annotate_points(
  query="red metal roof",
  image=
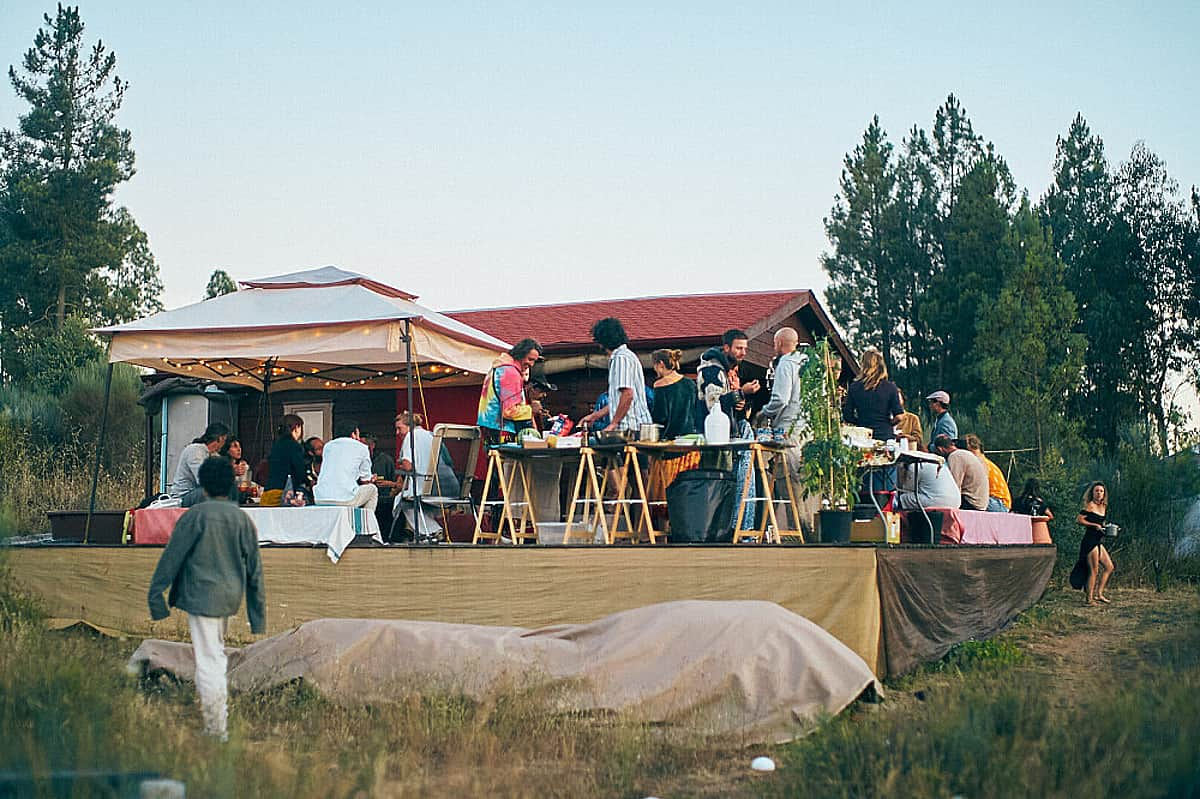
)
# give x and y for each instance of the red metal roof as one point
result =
(647, 320)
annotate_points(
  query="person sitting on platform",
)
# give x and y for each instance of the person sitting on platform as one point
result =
(909, 426)
(969, 472)
(383, 466)
(210, 561)
(286, 464)
(943, 422)
(186, 484)
(926, 485)
(345, 477)
(417, 442)
(314, 449)
(1031, 502)
(999, 497)
(503, 409)
(243, 477)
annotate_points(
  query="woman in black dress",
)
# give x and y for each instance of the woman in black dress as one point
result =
(1094, 561)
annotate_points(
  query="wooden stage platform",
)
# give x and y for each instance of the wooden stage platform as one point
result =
(896, 606)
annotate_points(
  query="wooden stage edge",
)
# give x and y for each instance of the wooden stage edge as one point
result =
(835, 586)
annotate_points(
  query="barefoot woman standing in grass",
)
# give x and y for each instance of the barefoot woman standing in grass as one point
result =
(1093, 557)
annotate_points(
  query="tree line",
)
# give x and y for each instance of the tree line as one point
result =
(1069, 321)
(70, 257)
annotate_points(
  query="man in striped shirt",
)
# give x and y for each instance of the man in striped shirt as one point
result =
(626, 380)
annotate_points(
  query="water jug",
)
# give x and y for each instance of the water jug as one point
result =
(716, 426)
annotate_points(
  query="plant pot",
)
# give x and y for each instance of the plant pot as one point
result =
(836, 526)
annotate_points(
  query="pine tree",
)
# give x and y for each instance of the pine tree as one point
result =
(1030, 359)
(65, 250)
(219, 283)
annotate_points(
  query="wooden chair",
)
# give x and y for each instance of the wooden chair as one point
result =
(436, 496)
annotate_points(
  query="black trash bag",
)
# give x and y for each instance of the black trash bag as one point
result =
(700, 503)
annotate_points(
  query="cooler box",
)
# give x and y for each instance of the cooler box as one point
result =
(882, 530)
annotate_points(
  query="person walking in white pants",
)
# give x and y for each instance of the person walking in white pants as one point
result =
(209, 563)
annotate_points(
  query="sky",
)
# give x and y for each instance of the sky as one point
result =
(498, 153)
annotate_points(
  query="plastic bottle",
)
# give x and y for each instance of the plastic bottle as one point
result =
(288, 492)
(716, 426)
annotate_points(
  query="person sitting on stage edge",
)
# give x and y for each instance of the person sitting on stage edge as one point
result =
(345, 477)
(626, 381)
(969, 472)
(210, 560)
(943, 422)
(186, 485)
(503, 409)
(999, 497)
(926, 485)
(285, 463)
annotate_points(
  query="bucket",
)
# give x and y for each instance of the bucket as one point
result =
(921, 531)
(836, 526)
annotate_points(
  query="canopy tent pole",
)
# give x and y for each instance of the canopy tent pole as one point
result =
(87, 527)
(412, 439)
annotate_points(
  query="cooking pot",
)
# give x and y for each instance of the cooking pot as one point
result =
(649, 432)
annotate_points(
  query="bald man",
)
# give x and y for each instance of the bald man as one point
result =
(783, 409)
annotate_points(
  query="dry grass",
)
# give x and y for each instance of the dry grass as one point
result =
(1071, 701)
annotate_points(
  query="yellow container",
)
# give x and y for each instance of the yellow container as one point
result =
(884, 530)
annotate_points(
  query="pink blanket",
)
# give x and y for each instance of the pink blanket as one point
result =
(154, 525)
(981, 527)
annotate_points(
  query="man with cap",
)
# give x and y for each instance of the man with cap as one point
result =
(943, 422)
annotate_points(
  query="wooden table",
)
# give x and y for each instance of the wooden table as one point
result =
(767, 460)
(508, 465)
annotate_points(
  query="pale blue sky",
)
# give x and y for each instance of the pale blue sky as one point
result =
(500, 154)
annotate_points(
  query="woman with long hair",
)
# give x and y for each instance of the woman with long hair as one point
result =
(285, 461)
(1094, 566)
(874, 401)
(243, 476)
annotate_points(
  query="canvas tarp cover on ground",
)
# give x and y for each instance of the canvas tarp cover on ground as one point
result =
(506, 586)
(751, 669)
(933, 599)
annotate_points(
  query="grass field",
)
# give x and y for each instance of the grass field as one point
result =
(1071, 701)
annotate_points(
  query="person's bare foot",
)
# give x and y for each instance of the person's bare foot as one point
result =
(1091, 603)
(1103, 599)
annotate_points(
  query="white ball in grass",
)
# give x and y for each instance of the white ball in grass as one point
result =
(762, 764)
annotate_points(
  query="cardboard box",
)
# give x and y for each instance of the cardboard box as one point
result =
(882, 530)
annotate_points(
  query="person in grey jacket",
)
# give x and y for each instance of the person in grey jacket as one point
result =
(783, 410)
(210, 561)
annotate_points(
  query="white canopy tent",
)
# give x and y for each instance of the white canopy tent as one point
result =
(324, 328)
(317, 329)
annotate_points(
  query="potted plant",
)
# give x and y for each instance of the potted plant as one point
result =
(828, 464)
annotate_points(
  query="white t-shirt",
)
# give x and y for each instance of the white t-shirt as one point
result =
(423, 439)
(343, 462)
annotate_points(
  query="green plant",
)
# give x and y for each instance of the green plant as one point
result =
(828, 463)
